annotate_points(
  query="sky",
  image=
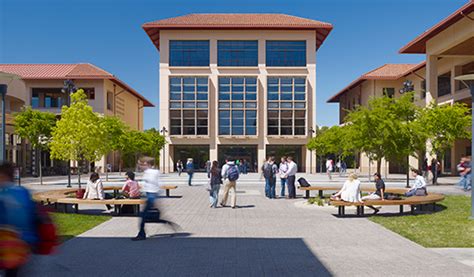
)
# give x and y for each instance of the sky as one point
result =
(108, 33)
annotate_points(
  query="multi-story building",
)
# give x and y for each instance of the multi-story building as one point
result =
(238, 85)
(449, 50)
(40, 86)
(386, 80)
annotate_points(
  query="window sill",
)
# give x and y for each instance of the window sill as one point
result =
(189, 67)
(238, 136)
(237, 67)
(288, 136)
(286, 67)
(189, 136)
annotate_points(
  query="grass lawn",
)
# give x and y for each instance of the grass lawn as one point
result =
(447, 228)
(71, 225)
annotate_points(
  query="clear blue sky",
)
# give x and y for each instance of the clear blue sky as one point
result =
(107, 33)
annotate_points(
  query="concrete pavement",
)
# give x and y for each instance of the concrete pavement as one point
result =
(262, 238)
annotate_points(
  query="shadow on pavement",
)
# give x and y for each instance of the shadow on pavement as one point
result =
(181, 256)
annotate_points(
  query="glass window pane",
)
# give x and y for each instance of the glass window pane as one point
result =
(202, 105)
(251, 105)
(189, 53)
(272, 130)
(174, 81)
(286, 130)
(237, 96)
(189, 105)
(224, 105)
(189, 130)
(239, 105)
(202, 114)
(224, 130)
(251, 96)
(285, 53)
(202, 130)
(202, 96)
(287, 105)
(175, 130)
(250, 131)
(299, 105)
(175, 105)
(273, 96)
(224, 81)
(300, 131)
(237, 53)
(237, 130)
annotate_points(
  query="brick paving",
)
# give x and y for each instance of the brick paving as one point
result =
(261, 238)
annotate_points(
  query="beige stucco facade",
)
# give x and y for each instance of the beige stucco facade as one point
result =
(125, 105)
(261, 72)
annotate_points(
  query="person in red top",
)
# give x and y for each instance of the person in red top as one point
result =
(131, 189)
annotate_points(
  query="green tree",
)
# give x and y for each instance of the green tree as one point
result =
(132, 144)
(114, 129)
(36, 127)
(386, 128)
(155, 142)
(445, 124)
(78, 135)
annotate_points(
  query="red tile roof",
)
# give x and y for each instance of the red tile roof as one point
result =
(418, 45)
(385, 72)
(237, 21)
(81, 71)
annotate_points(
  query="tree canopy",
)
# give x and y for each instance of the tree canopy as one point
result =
(34, 126)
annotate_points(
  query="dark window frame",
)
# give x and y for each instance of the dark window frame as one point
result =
(183, 53)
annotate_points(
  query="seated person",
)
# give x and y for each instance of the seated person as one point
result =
(131, 189)
(95, 189)
(378, 194)
(419, 188)
(350, 192)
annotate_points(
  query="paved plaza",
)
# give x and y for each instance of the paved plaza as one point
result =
(261, 238)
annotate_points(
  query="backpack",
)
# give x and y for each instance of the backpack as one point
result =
(233, 173)
(268, 171)
(303, 183)
(47, 234)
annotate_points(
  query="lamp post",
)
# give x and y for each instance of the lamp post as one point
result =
(407, 87)
(163, 131)
(68, 88)
(3, 92)
(311, 132)
(468, 80)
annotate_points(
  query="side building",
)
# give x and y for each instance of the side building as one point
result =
(386, 80)
(41, 87)
(449, 50)
(239, 85)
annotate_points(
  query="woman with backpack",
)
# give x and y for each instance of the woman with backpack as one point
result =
(215, 182)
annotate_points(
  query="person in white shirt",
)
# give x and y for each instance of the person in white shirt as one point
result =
(350, 192)
(230, 174)
(419, 188)
(151, 186)
(283, 169)
(291, 177)
(94, 188)
(329, 168)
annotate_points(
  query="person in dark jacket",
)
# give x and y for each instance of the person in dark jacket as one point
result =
(190, 170)
(215, 183)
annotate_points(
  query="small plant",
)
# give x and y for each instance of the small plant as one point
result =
(318, 201)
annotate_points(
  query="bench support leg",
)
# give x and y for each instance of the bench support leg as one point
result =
(343, 210)
(307, 194)
(320, 193)
(167, 193)
(412, 209)
(339, 210)
(401, 209)
(434, 207)
(76, 208)
(362, 210)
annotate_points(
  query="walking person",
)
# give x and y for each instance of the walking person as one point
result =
(151, 187)
(208, 168)
(270, 170)
(283, 170)
(464, 168)
(215, 183)
(230, 174)
(425, 168)
(435, 168)
(343, 166)
(190, 170)
(379, 192)
(329, 168)
(18, 227)
(291, 177)
(179, 166)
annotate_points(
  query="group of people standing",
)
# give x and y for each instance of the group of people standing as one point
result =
(286, 171)
(431, 169)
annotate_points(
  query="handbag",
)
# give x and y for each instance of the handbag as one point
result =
(80, 193)
(421, 192)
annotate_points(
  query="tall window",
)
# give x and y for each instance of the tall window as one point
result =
(47, 98)
(444, 84)
(285, 53)
(286, 106)
(389, 92)
(189, 105)
(110, 101)
(189, 53)
(238, 106)
(237, 53)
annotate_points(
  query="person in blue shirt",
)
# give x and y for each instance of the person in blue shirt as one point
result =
(190, 170)
(17, 209)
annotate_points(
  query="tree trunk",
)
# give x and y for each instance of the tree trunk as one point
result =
(79, 174)
(379, 165)
(40, 168)
(408, 172)
(320, 164)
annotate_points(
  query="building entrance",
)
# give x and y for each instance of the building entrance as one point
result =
(245, 153)
(199, 154)
(294, 151)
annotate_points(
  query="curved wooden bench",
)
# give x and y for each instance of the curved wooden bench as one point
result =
(413, 201)
(321, 189)
(117, 203)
